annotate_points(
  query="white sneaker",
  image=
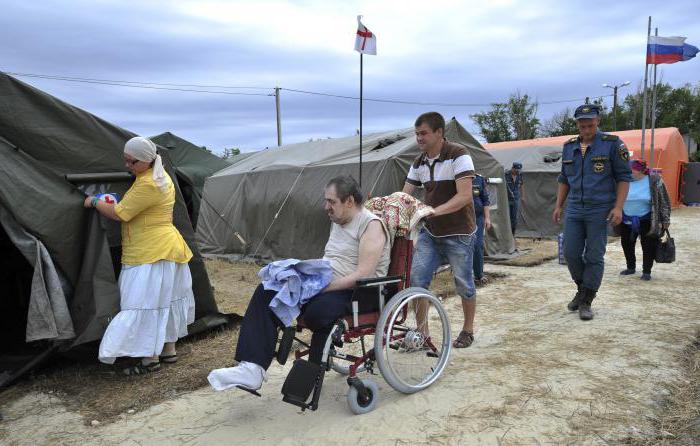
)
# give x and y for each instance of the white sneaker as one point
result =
(246, 375)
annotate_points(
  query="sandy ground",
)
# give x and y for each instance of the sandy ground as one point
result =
(535, 375)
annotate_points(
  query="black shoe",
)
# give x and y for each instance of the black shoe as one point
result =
(646, 276)
(573, 305)
(627, 272)
(584, 309)
(585, 312)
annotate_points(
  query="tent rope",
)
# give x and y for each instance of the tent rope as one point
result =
(371, 191)
(278, 212)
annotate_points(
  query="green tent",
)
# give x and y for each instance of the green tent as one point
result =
(270, 205)
(193, 164)
(59, 261)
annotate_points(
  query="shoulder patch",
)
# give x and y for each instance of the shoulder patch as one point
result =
(608, 137)
(624, 153)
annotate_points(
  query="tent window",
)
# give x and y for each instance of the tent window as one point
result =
(387, 142)
(552, 157)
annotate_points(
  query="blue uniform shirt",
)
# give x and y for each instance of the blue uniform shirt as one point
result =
(593, 178)
(513, 186)
(481, 195)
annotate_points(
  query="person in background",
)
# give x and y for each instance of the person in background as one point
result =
(155, 283)
(647, 214)
(483, 222)
(514, 183)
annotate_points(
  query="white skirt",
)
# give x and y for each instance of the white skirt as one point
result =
(157, 304)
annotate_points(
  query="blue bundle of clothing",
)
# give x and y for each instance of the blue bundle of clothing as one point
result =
(296, 281)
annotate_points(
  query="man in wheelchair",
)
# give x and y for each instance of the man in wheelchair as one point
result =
(358, 247)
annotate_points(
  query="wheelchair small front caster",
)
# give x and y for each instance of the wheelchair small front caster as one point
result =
(365, 399)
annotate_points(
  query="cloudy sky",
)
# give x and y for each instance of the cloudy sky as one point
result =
(449, 52)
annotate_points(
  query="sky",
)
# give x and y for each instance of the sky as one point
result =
(469, 53)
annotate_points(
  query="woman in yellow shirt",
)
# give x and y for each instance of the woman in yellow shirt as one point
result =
(155, 283)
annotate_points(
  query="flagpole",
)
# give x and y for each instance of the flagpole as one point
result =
(653, 113)
(644, 95)
(361, 120)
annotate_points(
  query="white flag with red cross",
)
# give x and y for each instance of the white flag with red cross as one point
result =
(366, 40)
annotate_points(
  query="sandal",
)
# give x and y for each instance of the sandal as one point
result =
(141, 369)
(464, 339)
(168, 359)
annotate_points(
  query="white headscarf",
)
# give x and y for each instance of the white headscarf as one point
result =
(144, 150)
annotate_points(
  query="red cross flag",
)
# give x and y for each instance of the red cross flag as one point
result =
(366, 40)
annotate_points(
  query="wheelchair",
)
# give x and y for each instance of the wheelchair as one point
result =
(411, 346)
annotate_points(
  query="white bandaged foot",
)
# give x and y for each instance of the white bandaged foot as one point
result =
(245, 374)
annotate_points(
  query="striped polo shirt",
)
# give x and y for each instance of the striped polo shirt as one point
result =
(439, 178)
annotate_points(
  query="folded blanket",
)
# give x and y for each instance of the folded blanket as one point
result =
(400, 212)
(296, 281)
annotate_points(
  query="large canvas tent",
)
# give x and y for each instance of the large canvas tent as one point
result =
(60, 260)
(542, 163)
(270, 205)
(193, 164)
(541, 167)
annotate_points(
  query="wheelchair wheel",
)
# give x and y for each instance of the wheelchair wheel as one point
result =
(412, 342)
(360, 404)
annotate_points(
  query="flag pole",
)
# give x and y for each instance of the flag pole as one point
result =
(361, 120)
(653, 114)
(644, 95)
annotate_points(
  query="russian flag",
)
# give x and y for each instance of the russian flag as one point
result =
(669, 50)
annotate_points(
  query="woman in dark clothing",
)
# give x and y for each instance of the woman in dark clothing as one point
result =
(647, 214)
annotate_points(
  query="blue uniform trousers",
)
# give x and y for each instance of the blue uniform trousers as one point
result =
(479, 248)
(585, 237)
(513, 208)
(258, 336)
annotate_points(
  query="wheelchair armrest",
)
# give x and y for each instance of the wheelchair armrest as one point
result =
(375, 281)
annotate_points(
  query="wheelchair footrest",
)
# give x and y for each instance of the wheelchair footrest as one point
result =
(304, 377)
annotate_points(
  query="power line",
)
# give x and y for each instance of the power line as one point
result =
(146, 85)
(197, 88)
(441, 104)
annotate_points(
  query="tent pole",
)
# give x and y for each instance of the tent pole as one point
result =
(653, 114)
(279, 119)
(644, 94)
(360, 179)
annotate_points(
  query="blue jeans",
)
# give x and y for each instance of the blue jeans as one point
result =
(585, 237)
(479, 248)
(457, 249)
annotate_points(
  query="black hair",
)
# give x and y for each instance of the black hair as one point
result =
(434, 120)
(346, 187)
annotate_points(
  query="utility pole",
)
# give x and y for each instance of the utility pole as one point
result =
(615, 87)
(279, 119)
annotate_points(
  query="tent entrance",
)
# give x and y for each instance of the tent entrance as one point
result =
(16, 355)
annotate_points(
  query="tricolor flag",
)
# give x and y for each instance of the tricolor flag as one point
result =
(669, 50)
(365, 41)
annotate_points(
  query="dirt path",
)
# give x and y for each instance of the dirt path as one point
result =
(535, 375)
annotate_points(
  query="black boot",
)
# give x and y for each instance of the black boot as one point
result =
(573, 305)
(584, 308)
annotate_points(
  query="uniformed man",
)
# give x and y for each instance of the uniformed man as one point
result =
(514, 183)
(483, 222)
(594, 182)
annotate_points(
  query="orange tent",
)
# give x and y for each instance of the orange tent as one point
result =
(670, 152)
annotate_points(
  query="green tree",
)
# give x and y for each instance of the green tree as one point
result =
(228, 153)
(514, 120)
(562, 123)
(675, 107)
